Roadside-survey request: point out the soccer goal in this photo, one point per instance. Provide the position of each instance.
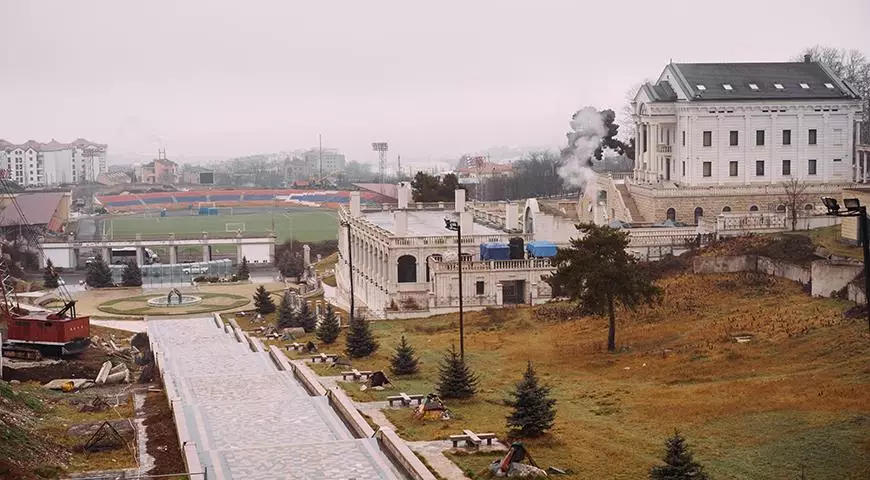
(235, 226)
(205, 205)
(225, 211)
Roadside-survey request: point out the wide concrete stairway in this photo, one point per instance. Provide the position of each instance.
(249, 420)
(629, 203)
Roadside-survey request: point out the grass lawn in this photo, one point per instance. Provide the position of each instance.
(211, 302)
(305, 226)
(797, 395)
(829, 237)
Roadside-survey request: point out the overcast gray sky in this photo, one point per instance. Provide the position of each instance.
(224, 78)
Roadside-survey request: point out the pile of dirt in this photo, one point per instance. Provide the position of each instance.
(162, 439)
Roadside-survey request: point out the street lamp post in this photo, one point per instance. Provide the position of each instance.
(455, 226)
(349, 268)
(855, 209)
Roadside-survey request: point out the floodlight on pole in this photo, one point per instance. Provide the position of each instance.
(855, 209)
(381, 148)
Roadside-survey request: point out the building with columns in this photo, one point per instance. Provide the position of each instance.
(719, 138)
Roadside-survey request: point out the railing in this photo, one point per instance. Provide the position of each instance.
(750, 221)
(716, 190)
(467, 240)
(486, 265)
(660, 236)
(663, 148)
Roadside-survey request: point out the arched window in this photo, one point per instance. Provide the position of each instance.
(435, 257)
(809, 206)
(699, 212)
(780, 208)
(407, 269)
(672, 214)
(753, 208)
(726, 209)
(529, 221)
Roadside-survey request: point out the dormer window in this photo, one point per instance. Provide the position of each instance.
(829, 86)
(727, 86)
(777, 86)
(701, 87)
(805, 86)
(753, 86)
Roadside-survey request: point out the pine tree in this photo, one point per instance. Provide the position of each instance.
(678, 462)
(534, 410)
(99, 275)
(360, 341)
(455, 380)
(243, 273)
(49, 276)
(263, 302)
(307, 319)
(329, 327)
(404, 361)
(132, 275)
(286, 313)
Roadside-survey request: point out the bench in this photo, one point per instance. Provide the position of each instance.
(356, 374)
(472, 439)
(405, 399)
(295, 346)
(324, 357)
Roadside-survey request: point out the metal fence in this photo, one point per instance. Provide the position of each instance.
(177, 273)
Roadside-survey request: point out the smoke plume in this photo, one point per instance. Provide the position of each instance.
(587, 130)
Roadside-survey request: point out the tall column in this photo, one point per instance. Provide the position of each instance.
(776, 139)
(238, 253)
(800, 155)
(205, 254)
(173, 253)
(822, 163)
(140, 256)
(106, 252)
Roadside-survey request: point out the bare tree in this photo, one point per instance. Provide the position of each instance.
(794, 198)
(627, 128)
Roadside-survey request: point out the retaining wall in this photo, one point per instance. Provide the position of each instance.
(345, 408)
(396, 448)
(830, 277)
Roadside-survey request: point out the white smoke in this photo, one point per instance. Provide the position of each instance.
(587, 130)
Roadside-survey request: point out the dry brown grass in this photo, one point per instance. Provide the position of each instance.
(798, 393)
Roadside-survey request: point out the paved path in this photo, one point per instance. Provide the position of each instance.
(250, 421)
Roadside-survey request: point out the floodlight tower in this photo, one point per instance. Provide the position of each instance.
(381, 148)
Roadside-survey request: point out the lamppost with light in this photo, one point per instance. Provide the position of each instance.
(855, 209)
(349, 268)
(456, 227)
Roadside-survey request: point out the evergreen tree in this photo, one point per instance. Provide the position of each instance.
(678, 462)
(404, 361)
(307, 319)
(263, 302)
(49, 276)
(455, 380)
(99, 275)
(291, 264)
(360, 341)
(132, 275)
(286, 313)
(329, 327)
(534, 410)
(243, 273)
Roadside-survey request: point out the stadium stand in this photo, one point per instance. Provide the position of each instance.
(233, 198)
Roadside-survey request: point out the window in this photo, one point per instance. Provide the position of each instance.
(732, 169)
(786, 137)
(812, 136)
(838, 136)
(759, 137)
(708, 138)
(701, 87)
(829, 86)
(684, 138)
(753, 208)
(811, 167)
(786, 168)
(478, 287)
(759, 168)
(777, 86)
(671, 214)
(753, 86)
(699, 212)
(708, 169)
(726, 209)
(838, 159)
(733, 137)
(805, 86)
(727, 86)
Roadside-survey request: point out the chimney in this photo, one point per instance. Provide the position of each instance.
(404, 193)
(355, 207)
(460, 200)
(510, 216)
(401, 217)
(807, 58)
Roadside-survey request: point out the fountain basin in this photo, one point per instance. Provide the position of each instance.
(162, 301)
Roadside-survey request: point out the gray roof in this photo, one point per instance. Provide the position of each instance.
(38, 208)
(764, 75)
(661, 92)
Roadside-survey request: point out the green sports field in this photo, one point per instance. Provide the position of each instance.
(304, 226)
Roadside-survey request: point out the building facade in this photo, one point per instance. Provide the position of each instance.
(160, 170)
(36, 164)
(739, 124)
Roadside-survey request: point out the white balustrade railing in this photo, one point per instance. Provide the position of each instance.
(488, 265)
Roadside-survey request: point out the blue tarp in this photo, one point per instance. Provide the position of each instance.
(541, 249)
(495, 251)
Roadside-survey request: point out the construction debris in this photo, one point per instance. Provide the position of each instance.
(511, 465)
(68, 384)
(104, 372)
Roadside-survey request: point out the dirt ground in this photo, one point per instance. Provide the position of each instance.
(85, 366)
(162, 438)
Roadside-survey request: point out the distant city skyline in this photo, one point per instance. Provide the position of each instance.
(223, 79)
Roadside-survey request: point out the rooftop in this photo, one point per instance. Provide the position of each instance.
(51, 146)
(38, 208)
(426, 223)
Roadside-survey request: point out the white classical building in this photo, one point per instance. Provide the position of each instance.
(705, 124)
(40, 164)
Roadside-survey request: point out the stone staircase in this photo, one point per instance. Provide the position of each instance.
(629, 203)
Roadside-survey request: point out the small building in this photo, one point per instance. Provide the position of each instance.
(849, 227)
(160, 170)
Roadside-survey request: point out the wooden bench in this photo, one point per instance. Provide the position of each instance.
(356, 374)
(472, 439)
(405, 399)
(324, 357)
(295, 346)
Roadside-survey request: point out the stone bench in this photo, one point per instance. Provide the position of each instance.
(472, 439)
(356, 374)
(296, 346)
(405, 399)
(323, 357)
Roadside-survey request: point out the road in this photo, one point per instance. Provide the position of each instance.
(250, 421)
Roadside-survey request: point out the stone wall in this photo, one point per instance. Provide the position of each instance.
(790, 271)
(829, 277)
(732, 264)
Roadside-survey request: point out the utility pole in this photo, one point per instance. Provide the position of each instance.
(320, 154)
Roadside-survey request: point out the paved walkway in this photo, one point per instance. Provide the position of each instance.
(250, 421)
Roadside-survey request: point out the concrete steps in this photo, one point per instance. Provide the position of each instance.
(630, 203)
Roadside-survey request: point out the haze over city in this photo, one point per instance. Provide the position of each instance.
(221, 79)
